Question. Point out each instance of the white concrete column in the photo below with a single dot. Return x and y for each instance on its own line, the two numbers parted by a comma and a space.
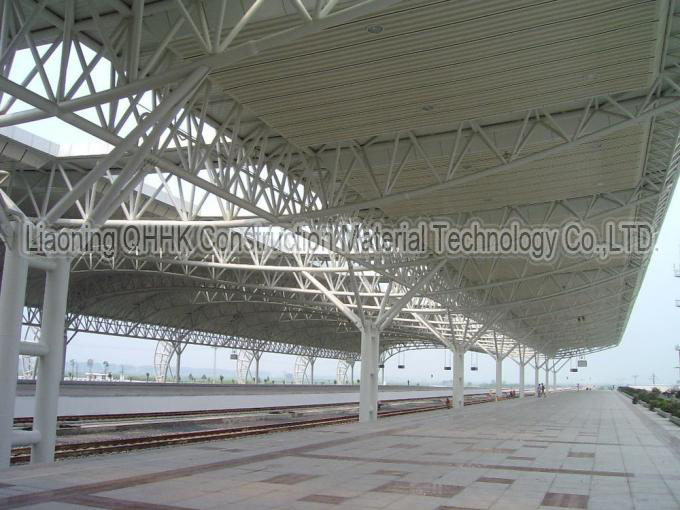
257, 367
49, 374
536, 376
368, 390
499, 378
311, 367
12, 299
521, 380
178, 363
351, 367
554, 385
458, 378
547, 375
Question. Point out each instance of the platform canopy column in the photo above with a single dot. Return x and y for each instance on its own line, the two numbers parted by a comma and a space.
556, 367
51, 364
523, 357
459, 338
500, 343
178, 363
458, 377
368, 391
12, 297
370, 326
312, 360
256, 357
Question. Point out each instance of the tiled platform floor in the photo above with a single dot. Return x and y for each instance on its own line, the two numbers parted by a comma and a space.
571, 450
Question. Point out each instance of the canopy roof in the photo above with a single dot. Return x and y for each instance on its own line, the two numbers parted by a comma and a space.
276, 114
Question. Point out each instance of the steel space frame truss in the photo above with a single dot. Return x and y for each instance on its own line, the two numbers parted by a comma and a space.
181, 151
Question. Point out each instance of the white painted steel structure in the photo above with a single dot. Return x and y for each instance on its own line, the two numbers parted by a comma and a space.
271, 116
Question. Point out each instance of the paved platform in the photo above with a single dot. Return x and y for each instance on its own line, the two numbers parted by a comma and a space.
570, 450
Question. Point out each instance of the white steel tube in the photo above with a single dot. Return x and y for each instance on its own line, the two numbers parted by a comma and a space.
547, 375
51, 369
33, 348
521, 380
12, 297
25, 437
42, 263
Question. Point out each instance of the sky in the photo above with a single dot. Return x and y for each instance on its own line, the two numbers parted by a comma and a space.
647, 347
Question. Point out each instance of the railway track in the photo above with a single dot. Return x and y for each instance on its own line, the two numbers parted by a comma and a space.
22, 454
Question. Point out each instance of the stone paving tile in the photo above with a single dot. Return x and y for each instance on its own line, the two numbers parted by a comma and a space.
581, 455
289, 478
420, 489
491, 479
324, 498
564, 500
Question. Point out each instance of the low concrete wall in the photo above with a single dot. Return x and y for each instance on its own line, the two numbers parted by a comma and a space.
107, 398
128, 389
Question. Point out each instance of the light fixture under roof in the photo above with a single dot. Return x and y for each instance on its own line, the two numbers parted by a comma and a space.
374, 29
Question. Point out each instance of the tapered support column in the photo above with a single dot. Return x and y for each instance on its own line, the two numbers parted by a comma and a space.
311, 368
49, 374
458, 378
12, 298
536, 376
554, 385
257, 368
499, 378
547, 375
368, 390
178, 364
521, 380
